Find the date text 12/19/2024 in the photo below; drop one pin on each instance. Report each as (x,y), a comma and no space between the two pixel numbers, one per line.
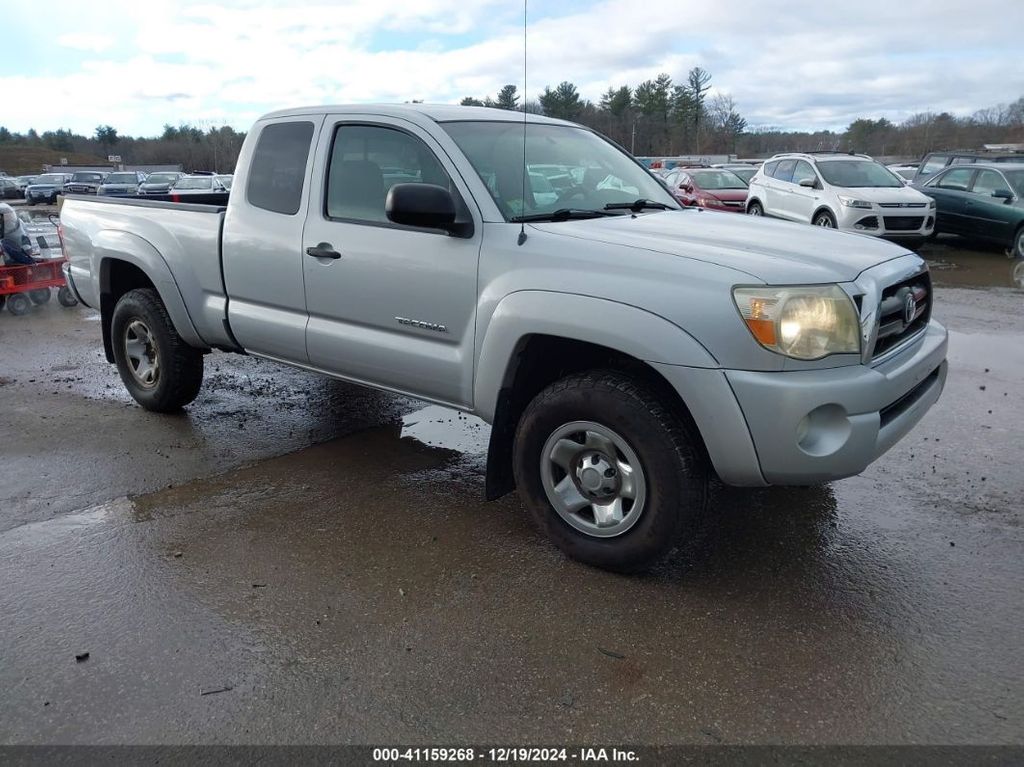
(504,754)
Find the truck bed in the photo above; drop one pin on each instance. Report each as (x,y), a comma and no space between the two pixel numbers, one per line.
(178,244)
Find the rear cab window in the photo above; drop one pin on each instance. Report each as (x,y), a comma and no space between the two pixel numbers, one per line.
(278,169)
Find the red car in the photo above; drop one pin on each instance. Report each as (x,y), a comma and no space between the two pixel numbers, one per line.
(711,188)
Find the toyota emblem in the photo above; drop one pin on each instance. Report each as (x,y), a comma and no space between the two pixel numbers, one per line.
(909,308)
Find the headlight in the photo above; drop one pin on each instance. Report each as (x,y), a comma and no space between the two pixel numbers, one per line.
(806,323)
(931,204)
(852,202)
(709,202)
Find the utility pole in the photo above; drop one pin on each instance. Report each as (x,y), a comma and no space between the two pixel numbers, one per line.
(632,140)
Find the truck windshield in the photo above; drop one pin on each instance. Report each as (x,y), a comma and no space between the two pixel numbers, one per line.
(583,171)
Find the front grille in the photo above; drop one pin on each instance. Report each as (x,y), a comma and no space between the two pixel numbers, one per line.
(902,204)
(903,223)
(893,324)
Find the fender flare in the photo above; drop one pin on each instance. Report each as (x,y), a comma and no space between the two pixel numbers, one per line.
(113,245)
(622,327)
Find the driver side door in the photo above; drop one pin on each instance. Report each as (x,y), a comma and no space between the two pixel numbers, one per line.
(389,304)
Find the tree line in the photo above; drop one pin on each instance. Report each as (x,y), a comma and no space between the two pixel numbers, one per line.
(195,147)
(660,117)
(656,117)
(912,138)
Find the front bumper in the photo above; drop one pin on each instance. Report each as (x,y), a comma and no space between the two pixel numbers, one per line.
(813,426)
(890,223)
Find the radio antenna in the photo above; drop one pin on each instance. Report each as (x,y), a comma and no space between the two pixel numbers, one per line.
(522,209)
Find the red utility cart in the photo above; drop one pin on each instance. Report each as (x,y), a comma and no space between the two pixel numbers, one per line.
(23,285)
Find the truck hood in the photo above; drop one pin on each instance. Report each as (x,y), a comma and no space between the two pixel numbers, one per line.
(775,252)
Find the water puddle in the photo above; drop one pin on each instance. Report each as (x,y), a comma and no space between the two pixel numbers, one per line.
(963,264)
(442,427)
(50,530)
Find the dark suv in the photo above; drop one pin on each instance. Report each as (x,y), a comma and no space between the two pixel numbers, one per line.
(933,162)
(84,182)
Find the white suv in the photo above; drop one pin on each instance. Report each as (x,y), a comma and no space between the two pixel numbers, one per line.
(850,192)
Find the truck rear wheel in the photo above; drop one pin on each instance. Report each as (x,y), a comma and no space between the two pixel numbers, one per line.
(610,474)
(160,371)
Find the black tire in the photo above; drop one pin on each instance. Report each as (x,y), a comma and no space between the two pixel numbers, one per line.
(66,298)
(3,302)
(755,209)
(179,366)
(824,219)
(18,304)
(39,297)
(670,454)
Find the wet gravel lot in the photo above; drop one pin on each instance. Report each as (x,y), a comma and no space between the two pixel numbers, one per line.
(295,560)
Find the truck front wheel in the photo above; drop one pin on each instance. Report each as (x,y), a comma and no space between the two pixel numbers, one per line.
(609,472)
(158,368)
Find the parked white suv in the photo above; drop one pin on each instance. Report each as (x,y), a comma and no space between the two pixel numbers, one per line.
(850,192)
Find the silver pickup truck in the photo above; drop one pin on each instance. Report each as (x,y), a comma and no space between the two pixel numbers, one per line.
(625,350)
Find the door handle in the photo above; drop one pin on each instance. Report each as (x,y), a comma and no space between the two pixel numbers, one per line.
(323,250)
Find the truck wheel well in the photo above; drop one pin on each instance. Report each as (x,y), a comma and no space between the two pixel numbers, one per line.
(540,360)
(117,278)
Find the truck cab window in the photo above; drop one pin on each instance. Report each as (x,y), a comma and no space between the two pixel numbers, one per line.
(278,167)
(366,161)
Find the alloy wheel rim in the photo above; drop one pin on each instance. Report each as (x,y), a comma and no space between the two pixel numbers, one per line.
(824,221)
(140,351)
(593,479)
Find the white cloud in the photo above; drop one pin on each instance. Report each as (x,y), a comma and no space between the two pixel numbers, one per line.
(801,64)
(85,41)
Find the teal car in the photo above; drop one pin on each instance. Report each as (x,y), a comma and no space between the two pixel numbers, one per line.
(985,202)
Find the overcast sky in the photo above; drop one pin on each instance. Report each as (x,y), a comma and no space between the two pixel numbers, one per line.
(138,64)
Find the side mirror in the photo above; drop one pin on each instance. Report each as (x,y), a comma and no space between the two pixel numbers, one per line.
(1003,194)
(810,183)
(424,205)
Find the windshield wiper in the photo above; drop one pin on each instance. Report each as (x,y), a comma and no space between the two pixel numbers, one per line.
(638,205)
(562,214)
